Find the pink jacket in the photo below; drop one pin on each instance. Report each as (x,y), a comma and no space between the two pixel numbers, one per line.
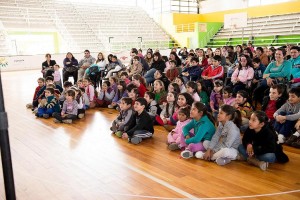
(178,137)
(244,75)
(90,91)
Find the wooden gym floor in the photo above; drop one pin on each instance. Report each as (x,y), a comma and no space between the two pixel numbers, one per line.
(84,161)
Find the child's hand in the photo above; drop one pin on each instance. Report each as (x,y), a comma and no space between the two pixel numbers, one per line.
(297,125)
(220,102)
(281,119)
(125,136)
(187,137)
(208,154)
(250,150)
(165,120)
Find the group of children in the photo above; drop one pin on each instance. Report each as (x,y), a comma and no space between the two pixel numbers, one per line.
(205,119)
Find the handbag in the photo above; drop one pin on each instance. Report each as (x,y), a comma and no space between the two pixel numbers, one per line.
(71,69)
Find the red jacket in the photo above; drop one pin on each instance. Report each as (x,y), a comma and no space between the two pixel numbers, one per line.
(217,72)
(142,89)
(171,74)
(37,89)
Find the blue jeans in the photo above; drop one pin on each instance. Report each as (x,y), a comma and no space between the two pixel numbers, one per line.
(294,85)
(286,128)
(267,157)
(149,76)
(42,111)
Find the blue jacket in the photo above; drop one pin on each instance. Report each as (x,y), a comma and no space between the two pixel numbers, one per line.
(295,67)
(282,71)
(258,72)
(204,129)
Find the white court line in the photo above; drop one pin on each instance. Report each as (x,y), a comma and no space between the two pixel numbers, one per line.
(164,183)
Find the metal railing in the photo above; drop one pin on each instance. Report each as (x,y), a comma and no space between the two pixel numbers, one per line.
(180,28)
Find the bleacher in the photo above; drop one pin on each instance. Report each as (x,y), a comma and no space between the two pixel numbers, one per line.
(94,27)
(274,30)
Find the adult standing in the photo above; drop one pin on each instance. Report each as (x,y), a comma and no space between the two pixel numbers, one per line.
(84,63)
(70,67)
(47,66)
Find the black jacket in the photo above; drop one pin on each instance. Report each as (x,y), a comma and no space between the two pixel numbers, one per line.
(45,64)
(159,65)
(262,142)
(142,122)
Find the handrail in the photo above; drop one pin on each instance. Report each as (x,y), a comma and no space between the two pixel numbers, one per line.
(189,27)
(210,33)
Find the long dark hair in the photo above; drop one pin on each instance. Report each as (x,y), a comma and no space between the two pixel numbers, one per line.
(249,62)
(192,85)
(263,118)
(168,105)
(245,95)
(204,88)
(202,108)
(236,116)
(188,98)
(123,84)
(176,87)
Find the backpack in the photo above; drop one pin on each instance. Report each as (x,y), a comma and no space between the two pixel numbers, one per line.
(93,70)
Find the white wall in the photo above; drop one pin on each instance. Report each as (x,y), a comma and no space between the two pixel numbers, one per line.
(221,5)
(34,62)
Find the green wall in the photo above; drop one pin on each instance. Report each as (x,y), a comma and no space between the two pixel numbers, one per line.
(211,29)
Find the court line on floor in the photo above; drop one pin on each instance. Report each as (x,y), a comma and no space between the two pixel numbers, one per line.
(171,187)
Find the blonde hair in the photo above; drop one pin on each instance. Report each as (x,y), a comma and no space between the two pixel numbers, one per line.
(161,84)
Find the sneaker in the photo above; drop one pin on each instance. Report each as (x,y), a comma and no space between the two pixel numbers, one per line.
(173,147)
(56,121)
(199,154)
(281,139)
(223,161)
(67,121)
(240,157)
(46,116)
(186,154)
(296,144)
(291,140)
(81,115)
(119,134)
(263,165)
(110,106)
(29,106)
(135,140)
(35,110)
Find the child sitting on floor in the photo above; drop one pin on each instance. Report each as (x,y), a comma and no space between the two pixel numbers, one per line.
(124,120)
(143,127)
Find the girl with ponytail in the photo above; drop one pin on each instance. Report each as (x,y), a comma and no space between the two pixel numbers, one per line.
(224,143)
